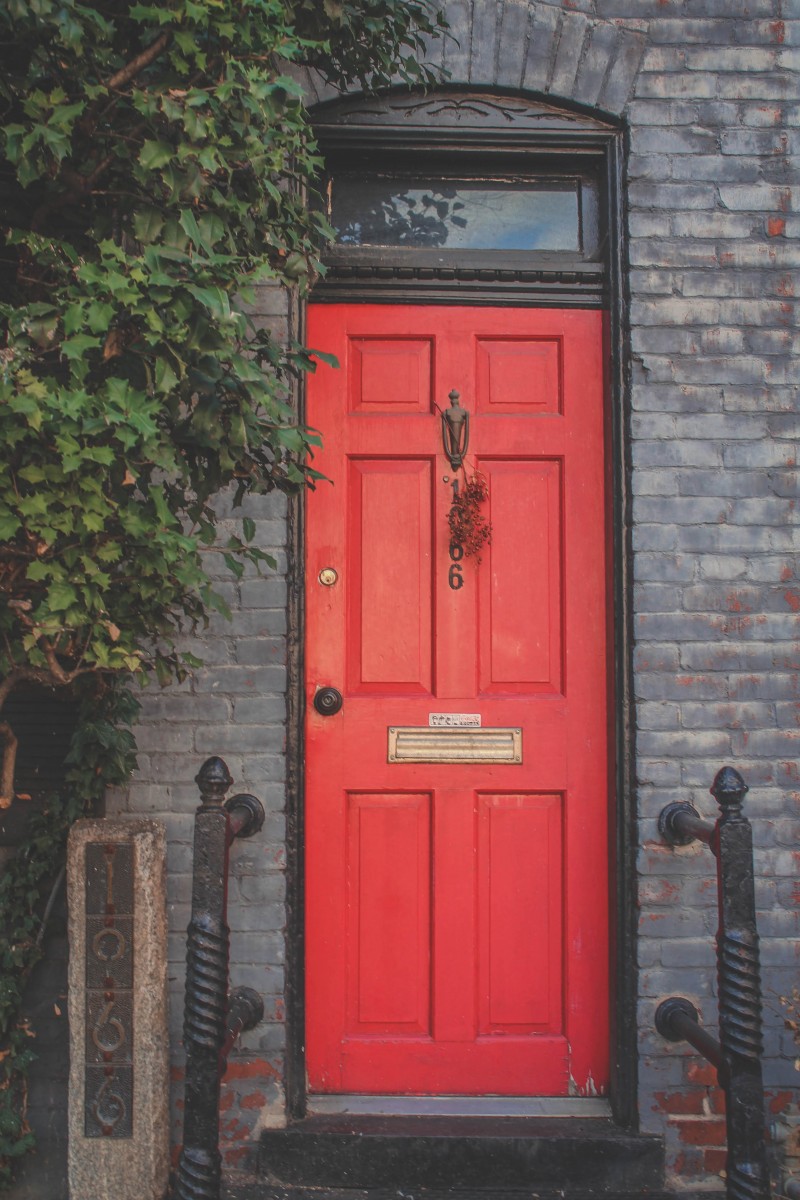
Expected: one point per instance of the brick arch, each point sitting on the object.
(549, 49)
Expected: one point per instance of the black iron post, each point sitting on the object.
(206, 1033)
(206, 989)
(737, 1055)
(739, 985)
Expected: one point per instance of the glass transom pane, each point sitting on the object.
(456, 214)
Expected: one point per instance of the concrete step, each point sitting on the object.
(238, 1186)
(467, 1157)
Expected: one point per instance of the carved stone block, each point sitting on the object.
(119, 1073)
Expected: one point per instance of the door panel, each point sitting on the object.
(389, 914)
(457, 936)
(390, 495)
(518, 375)
(390, 375)
(521, 598)
(519, 866)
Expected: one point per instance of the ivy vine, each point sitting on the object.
(157, 167)
(102, 752)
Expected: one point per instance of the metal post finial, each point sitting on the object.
(213, 779)
(729, 791)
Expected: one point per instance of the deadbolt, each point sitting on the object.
(328, 701)
(327, 577)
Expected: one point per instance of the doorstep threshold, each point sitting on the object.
(458, 1106)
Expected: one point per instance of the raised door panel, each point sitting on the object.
(389, 914)
(389, 560)
(521, 609)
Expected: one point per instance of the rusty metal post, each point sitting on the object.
(740, 993)
(210, 1023)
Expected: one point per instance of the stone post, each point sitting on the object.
(119, 1067)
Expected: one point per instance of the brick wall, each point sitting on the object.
(709, 92)
(235, 706)
(713, 158)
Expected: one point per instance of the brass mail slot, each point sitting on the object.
(419, 744)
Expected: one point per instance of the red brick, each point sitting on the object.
(702, 1073)
(715, 1160)
(716, 1100)
(686, 1103)
(250, 1070)
(778, 1102)
(254, 1100)
(234, 1156)
(701, 1133)
(688, 1163)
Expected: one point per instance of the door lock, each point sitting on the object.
(328, 701)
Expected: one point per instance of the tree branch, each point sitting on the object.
(9, 762)
(56, 670)
(78, 185)
(129, 72)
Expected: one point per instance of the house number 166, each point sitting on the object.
(454, 576)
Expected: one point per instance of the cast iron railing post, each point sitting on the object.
(737, 1055)
(207, 1031)
(739, 984)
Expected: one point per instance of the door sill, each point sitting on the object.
(481, 1155)
(459, 1106)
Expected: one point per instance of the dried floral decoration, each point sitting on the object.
(467, 525)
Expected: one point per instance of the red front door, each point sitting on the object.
(457, 913)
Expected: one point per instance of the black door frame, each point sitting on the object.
(494, 125)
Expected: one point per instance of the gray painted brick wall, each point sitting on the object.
(708, 90)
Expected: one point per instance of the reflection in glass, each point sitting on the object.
(456, 214)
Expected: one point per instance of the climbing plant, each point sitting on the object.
(101, 753)
(155, 164)
(156, 168)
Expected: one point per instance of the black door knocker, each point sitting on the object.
(455, 433)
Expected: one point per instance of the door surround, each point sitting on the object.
(492, 126)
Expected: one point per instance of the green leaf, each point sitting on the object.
(32, 474)
(188, 223)
(9, 525)
(61, 596)
(75, 348)
(214, 299)
(155, 154)
(147, 225)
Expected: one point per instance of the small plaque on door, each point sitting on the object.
(454, 720)
(418, 744)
